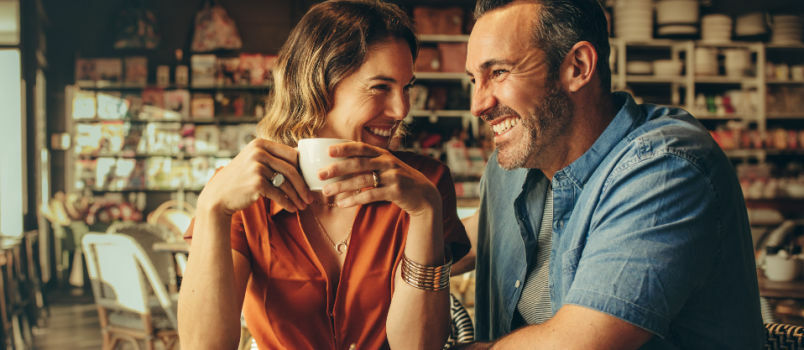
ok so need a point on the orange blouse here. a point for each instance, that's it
(288, 304)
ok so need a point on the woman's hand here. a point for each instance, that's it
(249, 176)
(397, 182)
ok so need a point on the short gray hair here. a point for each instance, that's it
(560, 25)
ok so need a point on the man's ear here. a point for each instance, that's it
(579, 66)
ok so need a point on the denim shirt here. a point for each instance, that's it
(649, 225)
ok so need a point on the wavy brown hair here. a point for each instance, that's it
(330, 42)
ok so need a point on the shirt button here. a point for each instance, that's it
(516, 285)
(353, 346)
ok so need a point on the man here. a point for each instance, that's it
(603, 224)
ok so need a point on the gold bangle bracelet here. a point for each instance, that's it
(430, 278)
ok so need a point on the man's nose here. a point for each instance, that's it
(482, 100)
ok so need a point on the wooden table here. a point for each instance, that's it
(780, 290)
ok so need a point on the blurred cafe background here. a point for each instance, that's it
(115, 113)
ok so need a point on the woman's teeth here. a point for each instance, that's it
(503, 126)
(380, 132)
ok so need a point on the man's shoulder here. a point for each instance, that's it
(670, 130)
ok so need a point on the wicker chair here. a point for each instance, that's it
(133, 305)
(784, 336)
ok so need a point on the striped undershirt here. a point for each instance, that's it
(534, 304)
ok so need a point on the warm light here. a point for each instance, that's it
(11, 162)
(9, 22)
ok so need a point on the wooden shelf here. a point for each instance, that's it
(793, 46)
(786, 115)
(441, 76)
(785, 82)
(647, 43)
(104, 86)
(716, 79)
(773, 289)
(443, 38)
(156, 190)
(440, 113)
(177, 155)
(653, 79)
(222, 119)
(707, 116)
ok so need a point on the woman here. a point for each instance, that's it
(353, 265)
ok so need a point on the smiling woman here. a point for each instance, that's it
(365, 261)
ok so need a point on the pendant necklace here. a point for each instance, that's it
(340, 247)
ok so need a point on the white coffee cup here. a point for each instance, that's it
(314, 155)
(780, 268)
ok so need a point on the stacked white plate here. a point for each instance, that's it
(705, 61)
(786, 29)
(677, 17)
(750, 24)
(716, 28)
(633, 19)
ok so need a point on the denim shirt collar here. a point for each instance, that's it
(579, 171)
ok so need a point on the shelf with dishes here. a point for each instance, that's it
(176, 155)
(654, 79)
(109, 86)
(218, 119)
(727, 80)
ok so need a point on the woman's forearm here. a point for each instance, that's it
(210, 298)
(419, 319)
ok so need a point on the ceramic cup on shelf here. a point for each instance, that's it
(781, 267)
(314, 155)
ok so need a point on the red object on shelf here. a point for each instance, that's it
(453, 57)
(429, 60)
(438, 20)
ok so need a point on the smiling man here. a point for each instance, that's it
(603, 223)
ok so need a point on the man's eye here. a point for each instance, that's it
(381, 87)
(498, 72)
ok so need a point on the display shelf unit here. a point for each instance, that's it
(461, 78)
(758, 86)
(443, 38)
(221, 119)
(104, 86)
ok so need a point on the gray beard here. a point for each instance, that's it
(549, 120)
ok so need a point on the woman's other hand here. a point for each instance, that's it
(252, 174)
(397, 182)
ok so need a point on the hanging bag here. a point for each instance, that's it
(214, 29)
(136, 27)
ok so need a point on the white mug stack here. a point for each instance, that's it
(706, 61)
(633, 19)
(716, 29)
(737, 62)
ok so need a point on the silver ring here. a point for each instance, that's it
(278, 179)
(376, 177)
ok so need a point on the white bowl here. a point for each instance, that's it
(667, 67)
(677, 11)
(639, 67)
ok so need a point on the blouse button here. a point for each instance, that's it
(516, 285)
(352, 346)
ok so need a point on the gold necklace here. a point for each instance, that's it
(340, 247)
